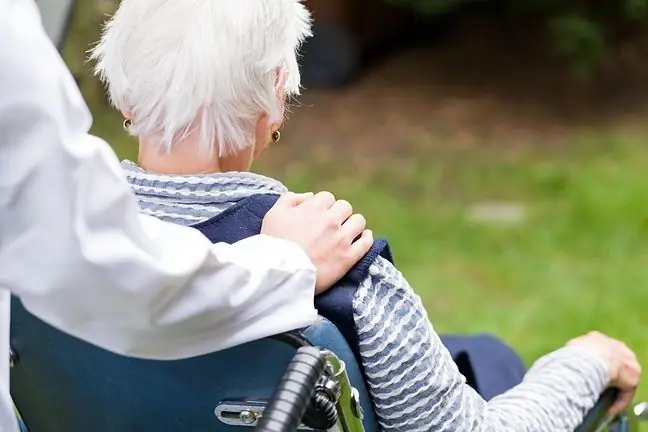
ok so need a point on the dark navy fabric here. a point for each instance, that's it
(244, 220)
(490, 366)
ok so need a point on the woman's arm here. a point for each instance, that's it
(416, 385)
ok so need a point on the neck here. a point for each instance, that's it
(183, 158)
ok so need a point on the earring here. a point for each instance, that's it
(276, 136)
(127, 123)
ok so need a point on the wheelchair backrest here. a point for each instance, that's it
(62, 384)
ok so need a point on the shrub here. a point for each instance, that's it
(580, 30)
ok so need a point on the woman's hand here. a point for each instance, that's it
(333, 236)
(622, 364)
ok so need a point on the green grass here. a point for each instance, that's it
(577, 263)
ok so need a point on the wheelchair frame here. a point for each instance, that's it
(347, 403)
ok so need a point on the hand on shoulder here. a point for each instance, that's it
(330, 233)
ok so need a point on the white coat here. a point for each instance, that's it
(76, 251)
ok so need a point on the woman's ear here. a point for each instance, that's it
(280, 86)
(262, 136)
(127, 114)
(280, 80)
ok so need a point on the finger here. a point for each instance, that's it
(353, 227)
(574, 341)
(580, 338)
(627, 351)
(291, 199)
(341, 211)
(321, 200)
(630, 374)
(623, 401)
(360, 247)
(294, 199)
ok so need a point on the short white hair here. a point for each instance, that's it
(212, 66)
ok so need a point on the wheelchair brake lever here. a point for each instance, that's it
(640, 411)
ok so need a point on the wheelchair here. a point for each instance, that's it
(306, 380)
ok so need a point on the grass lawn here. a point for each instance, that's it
(577, 261)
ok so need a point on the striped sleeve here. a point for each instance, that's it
(416, 386)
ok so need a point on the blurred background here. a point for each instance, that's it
(500, 146)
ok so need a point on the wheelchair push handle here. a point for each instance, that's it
(292, 396)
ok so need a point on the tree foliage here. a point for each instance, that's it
(580, 30)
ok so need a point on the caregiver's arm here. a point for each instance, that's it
(75, 249)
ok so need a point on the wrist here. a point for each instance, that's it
(600, 360)
(289, 249)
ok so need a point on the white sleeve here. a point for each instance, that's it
(75, 249)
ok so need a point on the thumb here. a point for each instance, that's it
(623, 400)
(291, 199)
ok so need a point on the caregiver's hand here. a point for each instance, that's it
(325, 228)
(622, 364)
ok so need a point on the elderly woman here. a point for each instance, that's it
(202, 84)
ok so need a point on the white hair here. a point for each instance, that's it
(212, 66)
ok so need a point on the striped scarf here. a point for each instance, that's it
(190, 199)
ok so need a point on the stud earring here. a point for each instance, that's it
(276, 136)
(127, 123)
